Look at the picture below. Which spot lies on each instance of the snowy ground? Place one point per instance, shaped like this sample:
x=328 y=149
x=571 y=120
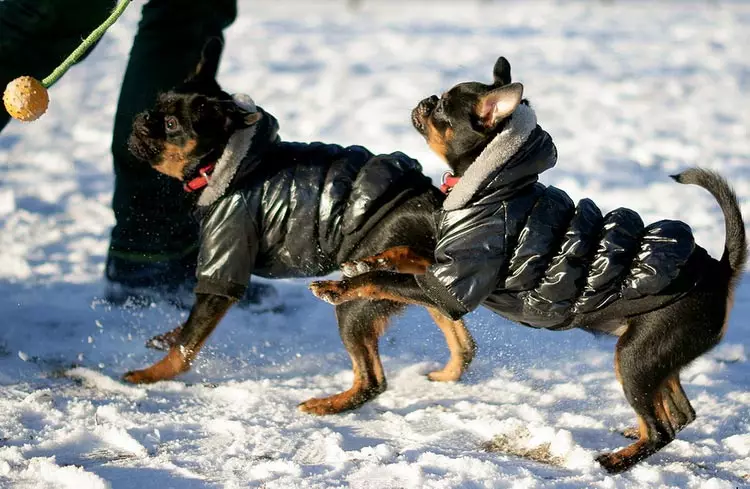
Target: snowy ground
x=631 y=92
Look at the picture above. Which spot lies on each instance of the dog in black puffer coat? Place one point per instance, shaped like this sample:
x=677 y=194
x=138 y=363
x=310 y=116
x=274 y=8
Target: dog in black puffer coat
x=528 y=253
x=281 y=209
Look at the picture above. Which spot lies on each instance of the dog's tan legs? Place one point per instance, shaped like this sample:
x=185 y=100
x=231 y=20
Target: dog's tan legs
x=361 y=324
x=166 y=340
x=460 y=344
x=169 y=367
x=644 y=381
x=373 y=286
x=401 y=259
x=677 y=405
x=369 y=381
x=674 y=405
x=204 y=317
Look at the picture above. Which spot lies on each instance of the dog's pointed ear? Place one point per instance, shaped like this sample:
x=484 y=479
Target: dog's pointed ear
x=497 y=104
x=501 y=71
x=208 y=66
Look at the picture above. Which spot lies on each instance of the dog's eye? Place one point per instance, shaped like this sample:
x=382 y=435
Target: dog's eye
x=171 y=124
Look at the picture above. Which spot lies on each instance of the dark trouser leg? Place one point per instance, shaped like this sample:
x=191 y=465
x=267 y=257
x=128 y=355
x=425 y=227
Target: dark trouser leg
x=155 y=238
x=37 y=35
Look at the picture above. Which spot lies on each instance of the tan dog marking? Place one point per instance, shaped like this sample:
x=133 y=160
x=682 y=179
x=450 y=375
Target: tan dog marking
x=167 y=368
x=438 y=141
x=174 y=158
x=460 y=344
x=401 y=259
x=369 y=379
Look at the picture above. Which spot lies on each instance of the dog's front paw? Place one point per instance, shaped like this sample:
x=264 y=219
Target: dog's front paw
x=447 y=374
x=609 y=462
x=358 y=267
x=339 y=403
x=355 y=267
x=138 y=377
x=614 y=462
x=167 y=368
x=331 y=291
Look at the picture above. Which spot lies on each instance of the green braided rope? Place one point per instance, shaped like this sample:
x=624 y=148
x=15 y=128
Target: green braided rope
x=86 y=44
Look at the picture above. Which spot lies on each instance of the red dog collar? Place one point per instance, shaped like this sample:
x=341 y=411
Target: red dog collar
x=448 y=182
x=201 y=181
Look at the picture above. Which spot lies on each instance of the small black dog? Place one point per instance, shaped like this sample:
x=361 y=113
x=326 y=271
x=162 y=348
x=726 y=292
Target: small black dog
x=528 y=253
x=278 y=209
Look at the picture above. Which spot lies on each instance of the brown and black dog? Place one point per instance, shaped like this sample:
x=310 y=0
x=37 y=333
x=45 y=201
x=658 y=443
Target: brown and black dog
x=528 y=253
x=285 y=210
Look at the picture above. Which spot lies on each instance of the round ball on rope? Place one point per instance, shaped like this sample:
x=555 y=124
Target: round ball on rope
x=25 y=99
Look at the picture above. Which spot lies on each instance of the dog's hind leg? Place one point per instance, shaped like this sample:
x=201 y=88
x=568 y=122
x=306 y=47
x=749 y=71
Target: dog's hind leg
x=642 y=377
x=648 y=359
x=460 y=344
x=403 y=288
x=660 y=343
x=361 y=323
x=676 y=405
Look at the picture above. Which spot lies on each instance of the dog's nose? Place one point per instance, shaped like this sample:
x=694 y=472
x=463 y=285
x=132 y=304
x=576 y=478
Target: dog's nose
x=426 y=105
x=429 y=103
x=140 y=124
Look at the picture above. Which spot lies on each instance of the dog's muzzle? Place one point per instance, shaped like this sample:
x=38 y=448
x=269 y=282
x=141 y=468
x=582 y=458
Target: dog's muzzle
x=421 y=112
x=140 y=143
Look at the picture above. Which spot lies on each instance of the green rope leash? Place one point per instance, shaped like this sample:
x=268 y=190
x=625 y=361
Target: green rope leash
x=26 y=98
x=86 y=44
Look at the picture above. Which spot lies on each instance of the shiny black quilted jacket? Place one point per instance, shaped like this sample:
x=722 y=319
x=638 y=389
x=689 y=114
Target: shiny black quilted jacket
x=530 y=254
x=297 y=209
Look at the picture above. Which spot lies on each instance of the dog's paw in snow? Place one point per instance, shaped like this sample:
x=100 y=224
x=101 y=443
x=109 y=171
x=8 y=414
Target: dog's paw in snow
x=169 y=367
x=331 y=291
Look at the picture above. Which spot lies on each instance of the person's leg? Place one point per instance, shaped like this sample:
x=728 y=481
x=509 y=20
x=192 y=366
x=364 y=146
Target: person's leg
x=154 y=241
x=37 y=35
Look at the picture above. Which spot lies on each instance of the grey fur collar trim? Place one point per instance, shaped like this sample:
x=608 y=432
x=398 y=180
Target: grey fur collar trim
x=237 y=148
x=496 y=154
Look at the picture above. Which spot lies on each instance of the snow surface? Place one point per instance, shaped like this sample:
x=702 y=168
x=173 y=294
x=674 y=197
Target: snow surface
x=631 y=92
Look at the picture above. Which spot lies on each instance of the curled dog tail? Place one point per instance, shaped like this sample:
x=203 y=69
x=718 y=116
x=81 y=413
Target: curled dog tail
x=735 y=245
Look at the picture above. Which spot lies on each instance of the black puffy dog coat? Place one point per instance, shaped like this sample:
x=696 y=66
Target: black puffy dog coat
x=280 y=210
x=528 y=253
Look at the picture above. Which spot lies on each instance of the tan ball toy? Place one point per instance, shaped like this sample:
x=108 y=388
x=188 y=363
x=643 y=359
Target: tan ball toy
x=26 y=98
